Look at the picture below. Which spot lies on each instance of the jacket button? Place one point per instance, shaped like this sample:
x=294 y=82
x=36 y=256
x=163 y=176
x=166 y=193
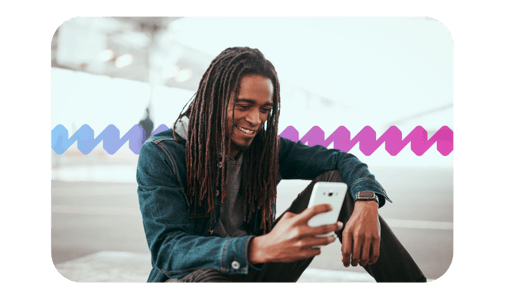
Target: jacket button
x=235 y=265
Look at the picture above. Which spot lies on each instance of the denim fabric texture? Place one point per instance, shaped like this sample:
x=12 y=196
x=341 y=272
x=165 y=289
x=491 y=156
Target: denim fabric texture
x=179 y=238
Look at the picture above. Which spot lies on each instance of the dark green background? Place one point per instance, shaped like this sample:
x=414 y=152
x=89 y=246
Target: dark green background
x=480 y=35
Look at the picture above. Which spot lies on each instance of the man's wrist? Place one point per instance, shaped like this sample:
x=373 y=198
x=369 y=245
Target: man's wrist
x=256 y=254
x=366 y=206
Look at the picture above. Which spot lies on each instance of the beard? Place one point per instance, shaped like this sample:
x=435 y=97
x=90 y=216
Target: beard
x=241 y=148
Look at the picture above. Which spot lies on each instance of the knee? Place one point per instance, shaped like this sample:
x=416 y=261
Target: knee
x=329 y=176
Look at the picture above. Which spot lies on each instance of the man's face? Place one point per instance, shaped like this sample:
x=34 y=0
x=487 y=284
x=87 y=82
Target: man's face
x=253 y=106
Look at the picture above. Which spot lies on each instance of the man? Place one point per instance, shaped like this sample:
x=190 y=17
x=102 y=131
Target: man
x=207 y=190
x=147 y=125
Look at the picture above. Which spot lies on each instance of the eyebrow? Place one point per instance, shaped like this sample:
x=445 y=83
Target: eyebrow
x=247 y=100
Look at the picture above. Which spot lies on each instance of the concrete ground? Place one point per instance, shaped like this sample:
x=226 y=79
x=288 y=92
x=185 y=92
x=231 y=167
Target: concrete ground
x=118 y=266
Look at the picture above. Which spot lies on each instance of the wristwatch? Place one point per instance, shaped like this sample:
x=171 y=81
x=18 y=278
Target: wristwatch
x=366 y=196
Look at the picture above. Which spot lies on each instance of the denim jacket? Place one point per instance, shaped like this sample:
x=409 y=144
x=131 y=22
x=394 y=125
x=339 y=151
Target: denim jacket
x=179 y=238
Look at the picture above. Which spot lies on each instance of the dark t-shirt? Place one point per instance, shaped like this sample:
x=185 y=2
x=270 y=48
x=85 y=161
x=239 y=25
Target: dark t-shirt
x=233 y=208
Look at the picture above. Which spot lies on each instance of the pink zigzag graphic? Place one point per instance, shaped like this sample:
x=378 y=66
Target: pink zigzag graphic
x=368 y=142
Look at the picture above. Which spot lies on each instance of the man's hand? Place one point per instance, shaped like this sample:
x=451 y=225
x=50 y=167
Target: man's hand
x=361 y=237
x=292 y=239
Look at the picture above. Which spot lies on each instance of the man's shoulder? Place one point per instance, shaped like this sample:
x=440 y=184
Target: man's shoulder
x=166 y=135
x=167 y=141
x=285 y=145
x=162 y=154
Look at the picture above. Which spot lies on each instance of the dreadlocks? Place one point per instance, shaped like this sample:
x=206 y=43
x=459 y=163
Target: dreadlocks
x=208 y=145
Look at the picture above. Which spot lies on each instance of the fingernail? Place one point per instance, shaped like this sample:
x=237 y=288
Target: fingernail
x=339 y=224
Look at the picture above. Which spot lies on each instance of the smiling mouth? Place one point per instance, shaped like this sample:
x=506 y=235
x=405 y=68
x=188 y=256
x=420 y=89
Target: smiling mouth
x=246 y=131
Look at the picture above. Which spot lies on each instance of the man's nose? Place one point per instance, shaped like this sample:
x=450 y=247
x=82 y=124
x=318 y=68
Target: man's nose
x=254 y=118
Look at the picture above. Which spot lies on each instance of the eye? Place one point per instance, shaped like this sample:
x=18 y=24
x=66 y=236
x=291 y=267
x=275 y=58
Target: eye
x=243 y=107
x=266 y=110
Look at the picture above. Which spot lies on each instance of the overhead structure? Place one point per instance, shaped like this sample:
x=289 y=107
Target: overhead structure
x=134 y=48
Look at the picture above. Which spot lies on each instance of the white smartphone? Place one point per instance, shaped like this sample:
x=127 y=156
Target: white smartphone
x=332 y=193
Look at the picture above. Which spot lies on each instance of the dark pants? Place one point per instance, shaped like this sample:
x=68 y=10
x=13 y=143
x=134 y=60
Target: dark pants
x=394 y=263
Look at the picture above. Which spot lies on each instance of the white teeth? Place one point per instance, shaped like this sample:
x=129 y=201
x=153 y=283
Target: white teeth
x=246 y=130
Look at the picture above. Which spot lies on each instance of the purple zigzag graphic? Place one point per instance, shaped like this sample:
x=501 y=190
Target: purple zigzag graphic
x=341 y=139
x=368 y=143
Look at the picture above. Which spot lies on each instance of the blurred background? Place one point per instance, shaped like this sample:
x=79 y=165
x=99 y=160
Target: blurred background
x=351 y=72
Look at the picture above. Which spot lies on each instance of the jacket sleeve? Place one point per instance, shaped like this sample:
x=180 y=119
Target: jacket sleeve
x=174 y=247
x=299 y=161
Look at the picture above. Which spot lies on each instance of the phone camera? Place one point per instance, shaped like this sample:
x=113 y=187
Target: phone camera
x=330 y=194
